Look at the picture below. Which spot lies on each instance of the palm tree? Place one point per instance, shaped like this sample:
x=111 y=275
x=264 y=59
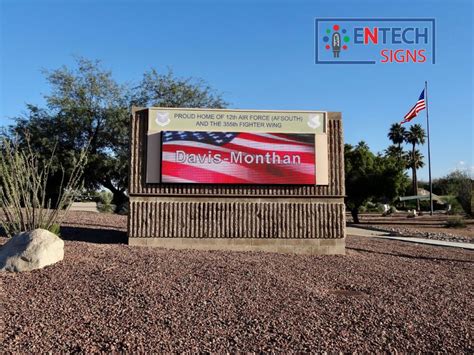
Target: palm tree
x=415 y=159
x=362 y=145
x=394 y=151
x=397 y=135
x=414 y=136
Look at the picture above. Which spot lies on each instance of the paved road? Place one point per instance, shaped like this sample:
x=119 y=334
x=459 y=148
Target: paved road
x=362 y=232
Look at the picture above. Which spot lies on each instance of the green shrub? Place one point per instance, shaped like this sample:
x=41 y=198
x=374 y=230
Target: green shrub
x=456 y=222
x=380 y=208
x=55 y=228
x=85 y=195
x=105 y=208
x=456 y=207
x=458 y=184
x=104 y=202
x=424 y=205
x=105 y=197
x=371 y=206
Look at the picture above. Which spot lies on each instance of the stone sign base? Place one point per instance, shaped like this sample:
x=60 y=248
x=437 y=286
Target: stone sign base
x=297 y=246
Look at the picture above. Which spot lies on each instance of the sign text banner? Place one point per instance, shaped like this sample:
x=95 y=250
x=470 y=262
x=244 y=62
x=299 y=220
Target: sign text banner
x=171 y=119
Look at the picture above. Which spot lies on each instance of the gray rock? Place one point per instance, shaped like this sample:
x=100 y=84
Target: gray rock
x=31 y=250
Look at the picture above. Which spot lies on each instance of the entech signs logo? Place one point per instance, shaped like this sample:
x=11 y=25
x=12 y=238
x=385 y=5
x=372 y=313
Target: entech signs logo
x=374 y=40
x=336 y=36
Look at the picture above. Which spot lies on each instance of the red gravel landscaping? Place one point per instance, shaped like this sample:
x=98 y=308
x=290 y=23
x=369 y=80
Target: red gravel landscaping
x=382 y=296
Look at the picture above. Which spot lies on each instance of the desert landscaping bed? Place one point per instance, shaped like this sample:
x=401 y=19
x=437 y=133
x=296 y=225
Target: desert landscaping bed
x=382 y=296
x=425 y=226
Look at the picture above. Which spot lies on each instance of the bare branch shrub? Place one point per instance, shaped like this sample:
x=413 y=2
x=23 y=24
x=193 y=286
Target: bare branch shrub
x=23 y=181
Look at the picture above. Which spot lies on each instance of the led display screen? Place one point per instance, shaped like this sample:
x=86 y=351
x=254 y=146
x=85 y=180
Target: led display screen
x=238 y=158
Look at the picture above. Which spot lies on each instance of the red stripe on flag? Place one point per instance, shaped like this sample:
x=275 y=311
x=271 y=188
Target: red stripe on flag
x=419 y=106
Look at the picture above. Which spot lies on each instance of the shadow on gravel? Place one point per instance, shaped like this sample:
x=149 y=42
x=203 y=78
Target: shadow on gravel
x=410 y=256
x=94 y=235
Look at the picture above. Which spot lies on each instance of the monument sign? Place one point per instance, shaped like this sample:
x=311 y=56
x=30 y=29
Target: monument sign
x=237 y=180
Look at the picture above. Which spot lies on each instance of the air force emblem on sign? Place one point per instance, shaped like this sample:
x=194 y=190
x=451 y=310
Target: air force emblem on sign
x=314 y=121
x=162 y=118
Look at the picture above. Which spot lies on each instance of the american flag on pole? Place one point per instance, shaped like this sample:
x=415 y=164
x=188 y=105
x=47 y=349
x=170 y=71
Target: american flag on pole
x=420 y=105
x=238 y=158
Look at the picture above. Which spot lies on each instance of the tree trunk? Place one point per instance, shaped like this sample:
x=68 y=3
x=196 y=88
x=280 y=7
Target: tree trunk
x=119 y=198
x=414 y=177
x=355 y=215
x=415 y=187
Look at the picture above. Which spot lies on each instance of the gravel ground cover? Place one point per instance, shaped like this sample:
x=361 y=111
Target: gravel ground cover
x=382 y=296
x=421 y=233
x=429 y=227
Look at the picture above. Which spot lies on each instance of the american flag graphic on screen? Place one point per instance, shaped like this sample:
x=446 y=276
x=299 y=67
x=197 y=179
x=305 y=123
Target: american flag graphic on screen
x=238 y=158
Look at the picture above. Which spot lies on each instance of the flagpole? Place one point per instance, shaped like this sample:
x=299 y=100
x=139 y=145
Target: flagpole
x=429 y=148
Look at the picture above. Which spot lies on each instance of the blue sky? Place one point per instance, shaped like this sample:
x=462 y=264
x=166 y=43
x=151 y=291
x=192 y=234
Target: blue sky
x=259 y=54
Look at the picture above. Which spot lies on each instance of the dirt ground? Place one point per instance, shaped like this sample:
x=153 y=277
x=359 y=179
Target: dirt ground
x=106 y=296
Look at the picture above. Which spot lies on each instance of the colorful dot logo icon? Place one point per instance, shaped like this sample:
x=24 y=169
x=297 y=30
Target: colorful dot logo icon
x=336 y=39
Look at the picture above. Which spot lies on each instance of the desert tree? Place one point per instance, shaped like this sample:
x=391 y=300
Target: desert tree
x=370 y=177
x=168 y=90
x=85 y=104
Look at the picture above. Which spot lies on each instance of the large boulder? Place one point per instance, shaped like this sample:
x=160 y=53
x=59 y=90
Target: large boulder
x=31 y=250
